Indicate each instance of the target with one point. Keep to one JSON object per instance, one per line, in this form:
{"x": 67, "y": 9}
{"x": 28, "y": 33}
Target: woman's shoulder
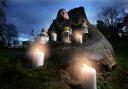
{"x": 54, "y": 22}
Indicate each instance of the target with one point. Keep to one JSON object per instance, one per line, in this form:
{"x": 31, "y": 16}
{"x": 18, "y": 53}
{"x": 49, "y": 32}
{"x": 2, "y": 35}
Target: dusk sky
{"x": 36, "y": 14}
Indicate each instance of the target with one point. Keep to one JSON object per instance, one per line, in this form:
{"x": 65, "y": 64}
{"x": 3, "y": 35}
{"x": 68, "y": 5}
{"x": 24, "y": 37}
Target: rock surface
{"x": 67, "y": 59}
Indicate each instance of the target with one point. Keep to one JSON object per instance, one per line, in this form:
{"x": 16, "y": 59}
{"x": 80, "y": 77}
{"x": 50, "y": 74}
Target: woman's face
{"x": 64, "y": 14}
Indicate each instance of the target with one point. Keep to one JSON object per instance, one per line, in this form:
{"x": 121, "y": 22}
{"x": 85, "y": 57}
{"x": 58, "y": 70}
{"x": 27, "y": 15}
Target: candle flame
{"x": 87, "y": 68}
{"x": 38, "y": 52}
{"x": 77, "y": 34}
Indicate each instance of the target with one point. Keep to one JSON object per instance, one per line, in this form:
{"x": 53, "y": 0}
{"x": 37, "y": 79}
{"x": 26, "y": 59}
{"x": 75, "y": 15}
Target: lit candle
{"x": 88, "y": 77}
{"x": 53, "y": 36}
{"x": 66, "y": 35}
{"x": 38, "y": 58}
{"x": 85, "y": 31}
{"x": 78, "y": 37}
{"x": 43, "y": 38}
{"x": 85, "y": 28}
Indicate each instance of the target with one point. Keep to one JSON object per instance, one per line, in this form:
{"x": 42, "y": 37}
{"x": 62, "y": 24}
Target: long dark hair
{"x": 58, "y": 14}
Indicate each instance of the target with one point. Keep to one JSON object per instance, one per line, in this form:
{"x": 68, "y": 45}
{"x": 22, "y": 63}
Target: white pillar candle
{"x": 54, "y": 37}
{"x": 38, "y": 58}
{"x": 88, "y": 77}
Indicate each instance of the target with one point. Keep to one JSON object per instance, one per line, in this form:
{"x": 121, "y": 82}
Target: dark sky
{"x": 36, "y": 14}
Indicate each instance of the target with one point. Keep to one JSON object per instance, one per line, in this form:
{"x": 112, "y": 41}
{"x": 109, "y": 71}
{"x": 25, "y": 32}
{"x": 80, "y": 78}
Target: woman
{"x": 58, "y": 24}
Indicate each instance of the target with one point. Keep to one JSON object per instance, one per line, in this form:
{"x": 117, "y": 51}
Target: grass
{"x": 117, "y": 78}
{"x": 15, "y": 75}
{"x": 18, "y": 77}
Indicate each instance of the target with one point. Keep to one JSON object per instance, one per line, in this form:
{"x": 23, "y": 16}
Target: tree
{"x": 125, "y": 20}
{"x": 100, "y": 24}
{"x": 2, "y": 16}
{"x": 2, "y": 23}
{"x": 11, "y": 34}
{"x": 2, "y": 34}
{"x": 34, "y": 34}
{"x": 2, "y": 11}
{"x": 8, "y": 32}
{"x": 108, "y": 15}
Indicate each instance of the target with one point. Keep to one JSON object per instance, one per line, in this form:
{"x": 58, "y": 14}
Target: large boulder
{"x": 96, "y": 52}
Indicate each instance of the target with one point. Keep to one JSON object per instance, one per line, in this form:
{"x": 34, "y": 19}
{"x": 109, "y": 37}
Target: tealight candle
{"x": 88, "y": 77}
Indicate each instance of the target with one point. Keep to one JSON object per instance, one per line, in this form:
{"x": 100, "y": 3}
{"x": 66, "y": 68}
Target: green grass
{"x": 118, "y": 78}
{"x": 15, "y": 75}
{"x": 18, "y": 77}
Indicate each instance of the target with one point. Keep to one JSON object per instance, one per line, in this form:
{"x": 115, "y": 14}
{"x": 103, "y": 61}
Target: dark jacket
{"x": 57, "y": 26}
